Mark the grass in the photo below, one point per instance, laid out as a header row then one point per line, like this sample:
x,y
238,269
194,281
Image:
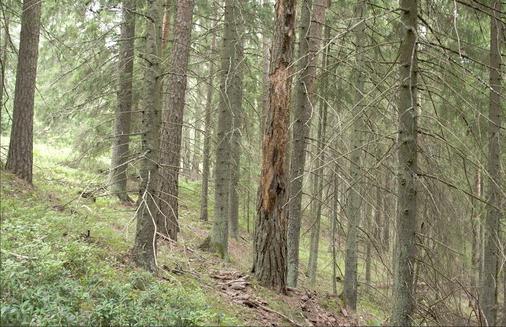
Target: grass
x,y
65,259
70,265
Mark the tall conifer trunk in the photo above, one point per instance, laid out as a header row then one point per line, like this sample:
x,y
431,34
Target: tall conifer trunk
x,y
237,126
403,294
144,251
269,256
354,204
172,127
204,194
490,280
119,159
228,90
311,21
20,156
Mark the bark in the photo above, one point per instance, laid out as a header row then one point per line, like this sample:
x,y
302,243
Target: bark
x,y
269,257
219,234
310,39
197,127
119,159
207,136
266,56
380,218
475,226
335,206
353,209
504,289
166,28
386,218
320,151
20,155
319,180
403,306
172,127
3,56
489,287
369,215
186,152
144,251
237,126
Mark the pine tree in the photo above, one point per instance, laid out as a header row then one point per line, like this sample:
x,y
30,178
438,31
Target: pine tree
x,y
403,295
490,280
269,256
172,126
20,156
228,91
119,158
144,252
311,21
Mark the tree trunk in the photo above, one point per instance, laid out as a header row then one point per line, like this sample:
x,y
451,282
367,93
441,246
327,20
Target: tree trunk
x,y
144,252
197,127
186,151
404,301
172,128
166,23
370,213
475,227
310,37
318,194
269,257
119,159
235,137
386,218
20,156
219,234
3,56
355,197
335,217
489,287
320,149
207,136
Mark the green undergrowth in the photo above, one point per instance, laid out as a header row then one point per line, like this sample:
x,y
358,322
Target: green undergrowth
x,y
65,259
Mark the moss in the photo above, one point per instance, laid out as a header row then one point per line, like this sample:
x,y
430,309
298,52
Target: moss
x,y
66,260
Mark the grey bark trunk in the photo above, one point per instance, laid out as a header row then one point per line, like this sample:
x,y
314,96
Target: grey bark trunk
x,y
197,126
318,193
207,136
144,251
269,256
3,56
403,307
335,217
370,213
475,226
489,287
219,234
235,138
310,38
320,151
172,128
353,208
119,159
20,155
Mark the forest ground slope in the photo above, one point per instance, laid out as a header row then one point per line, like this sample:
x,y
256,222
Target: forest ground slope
x,y
65,260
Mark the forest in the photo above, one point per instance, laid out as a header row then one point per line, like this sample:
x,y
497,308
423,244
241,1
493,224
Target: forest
x,y
252,162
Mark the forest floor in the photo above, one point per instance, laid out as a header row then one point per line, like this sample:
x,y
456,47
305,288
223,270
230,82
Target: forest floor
x,y
65,260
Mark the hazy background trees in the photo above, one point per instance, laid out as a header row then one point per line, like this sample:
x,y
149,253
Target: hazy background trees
x,y
361,152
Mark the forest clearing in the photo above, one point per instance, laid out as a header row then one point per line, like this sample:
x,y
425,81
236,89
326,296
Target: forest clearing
x,y
252,162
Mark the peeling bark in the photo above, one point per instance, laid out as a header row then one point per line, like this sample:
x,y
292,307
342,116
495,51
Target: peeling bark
x,y
269,259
